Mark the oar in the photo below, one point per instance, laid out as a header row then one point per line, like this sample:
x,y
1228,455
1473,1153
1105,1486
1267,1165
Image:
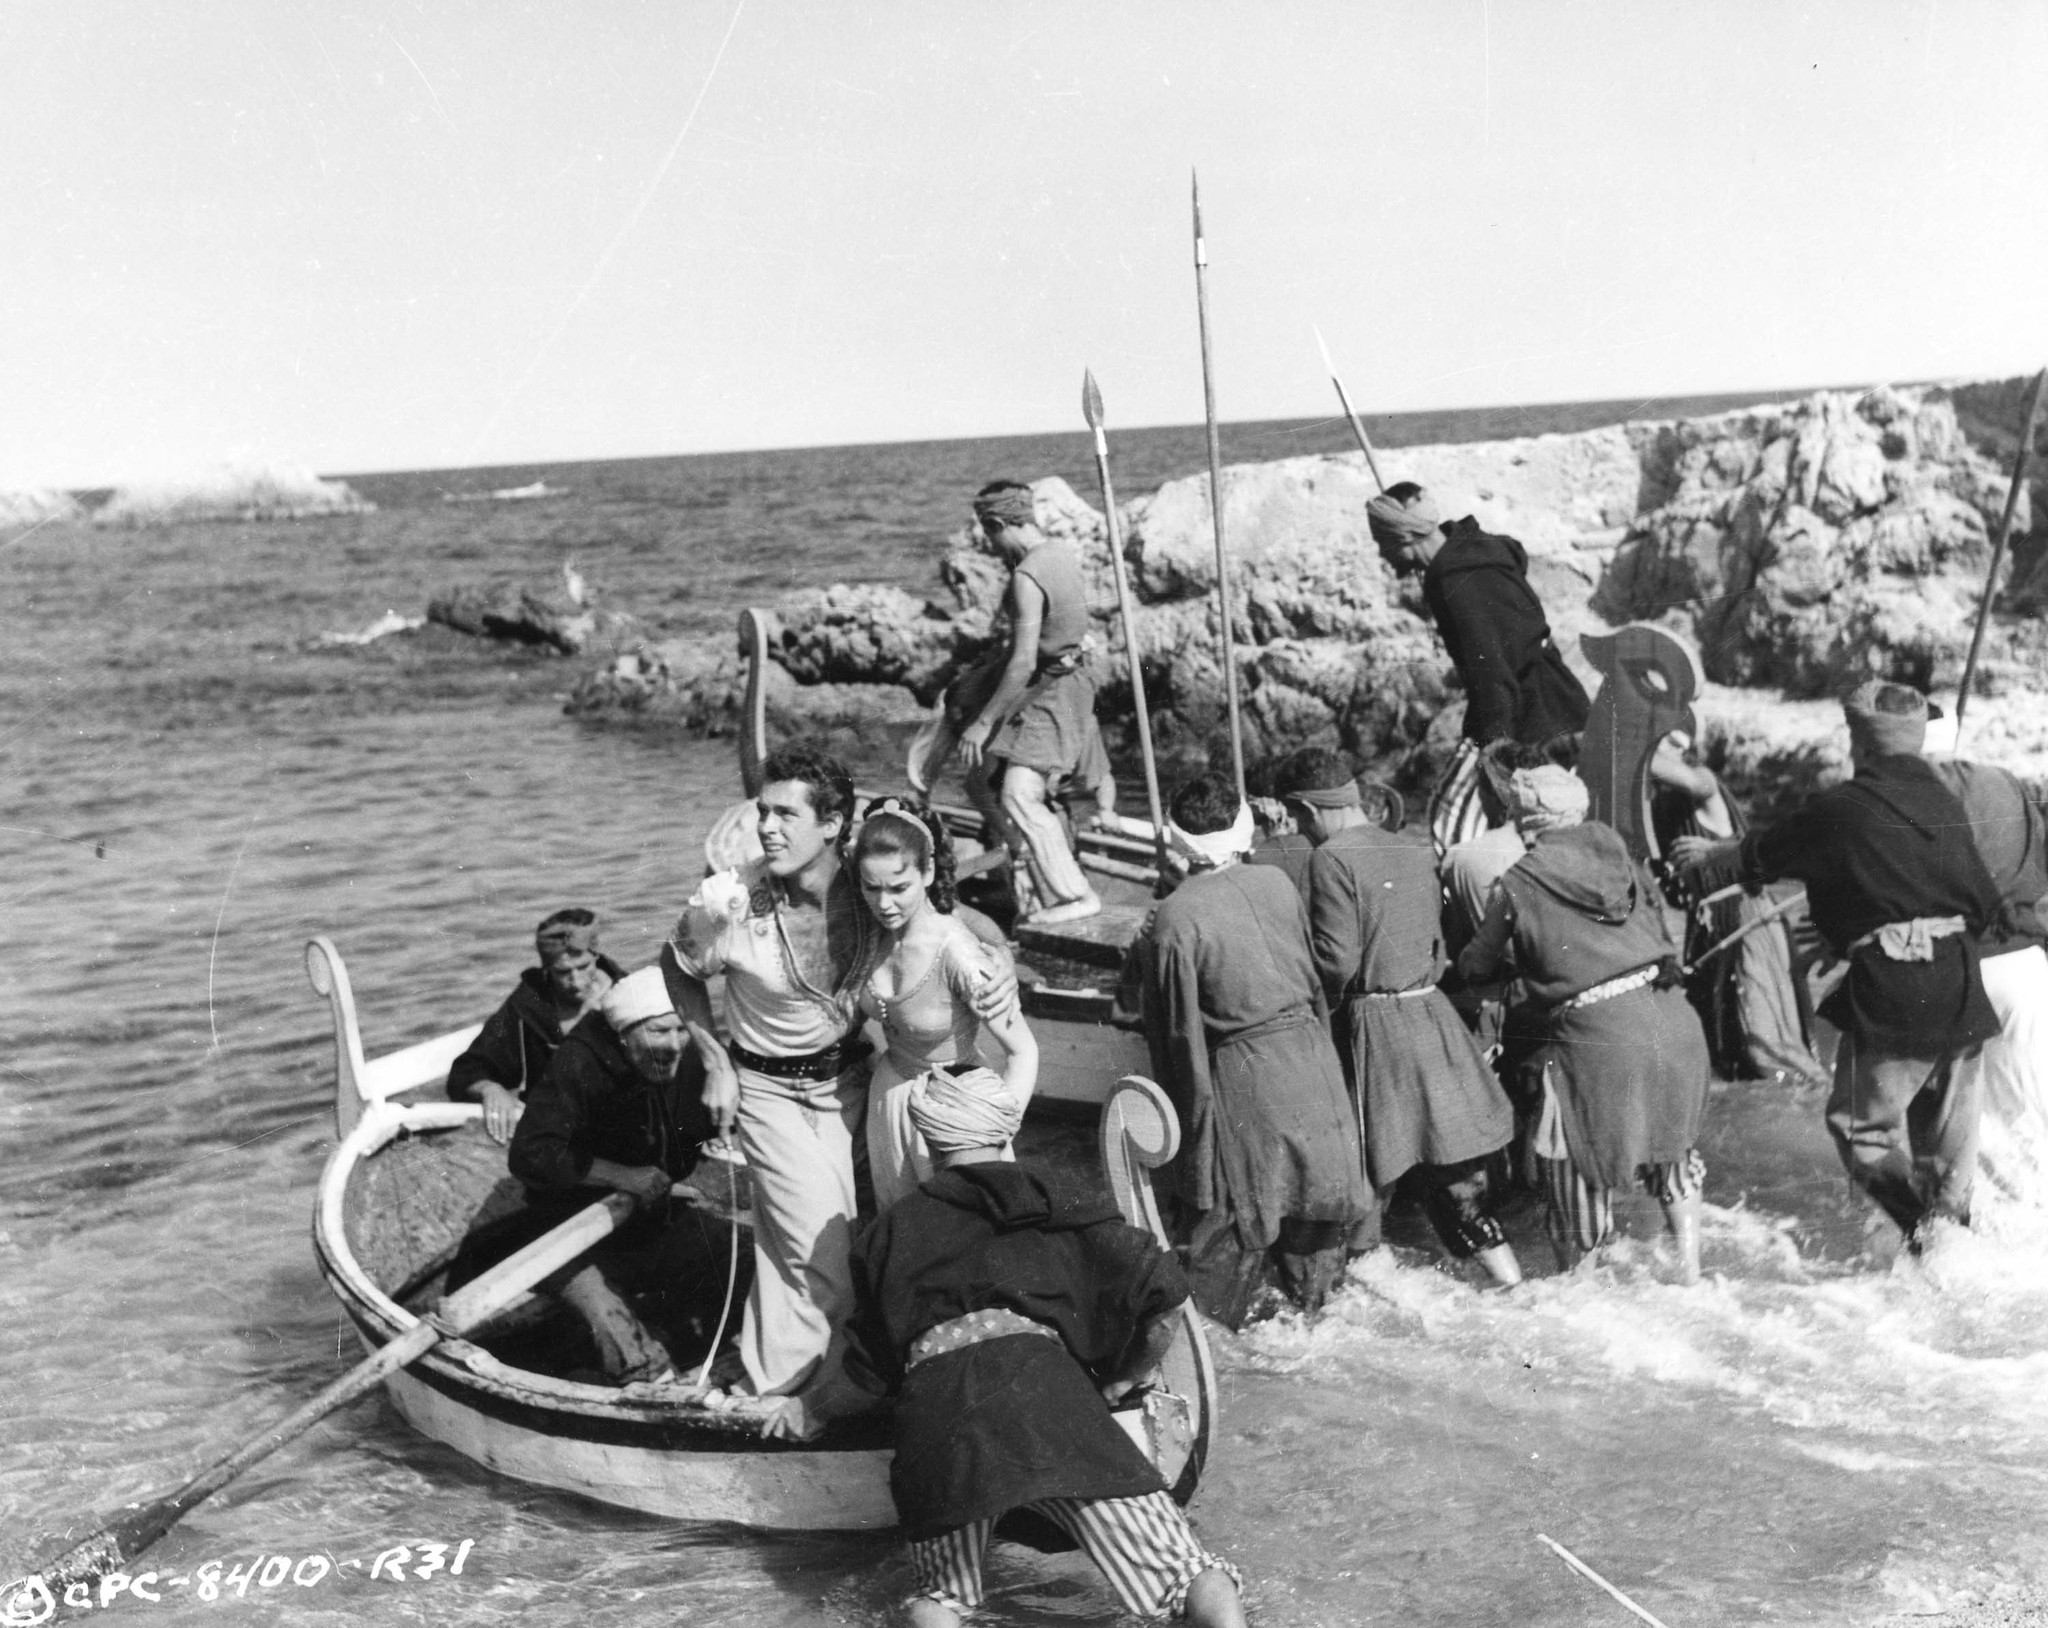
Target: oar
x,y
2012,500
113,1545
1762,919
1344,401
1216,497
1091,409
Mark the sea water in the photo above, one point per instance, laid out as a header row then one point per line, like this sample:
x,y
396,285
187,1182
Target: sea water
x,y
1821,1432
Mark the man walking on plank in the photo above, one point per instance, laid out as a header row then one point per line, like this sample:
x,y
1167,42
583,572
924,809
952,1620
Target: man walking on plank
x,y
794,941
1269,1170
1517,686
1004,1314
1425,1096
1033,730
1898,890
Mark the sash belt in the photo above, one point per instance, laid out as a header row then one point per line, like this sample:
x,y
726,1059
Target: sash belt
x,y
827,1064
1911,940
1610,989
972,1329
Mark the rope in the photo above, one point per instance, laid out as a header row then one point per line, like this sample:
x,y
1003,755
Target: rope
x,y
732,1270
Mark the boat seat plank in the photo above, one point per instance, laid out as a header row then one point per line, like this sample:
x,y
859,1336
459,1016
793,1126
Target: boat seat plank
x,y
1099,940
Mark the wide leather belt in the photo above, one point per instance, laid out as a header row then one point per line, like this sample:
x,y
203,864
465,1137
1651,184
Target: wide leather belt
x,y
827,1064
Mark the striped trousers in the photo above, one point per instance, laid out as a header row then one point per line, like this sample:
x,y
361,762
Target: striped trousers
x,y
1584,1213
1144,1546
1455,812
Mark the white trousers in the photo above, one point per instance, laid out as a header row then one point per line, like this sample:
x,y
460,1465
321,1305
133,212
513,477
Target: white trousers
x,y
798,1138
2013,1069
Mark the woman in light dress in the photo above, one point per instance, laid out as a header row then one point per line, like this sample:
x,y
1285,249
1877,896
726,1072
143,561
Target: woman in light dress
x,y
921,987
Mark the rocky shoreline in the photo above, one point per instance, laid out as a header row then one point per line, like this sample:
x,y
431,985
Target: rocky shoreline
x,y
1801,546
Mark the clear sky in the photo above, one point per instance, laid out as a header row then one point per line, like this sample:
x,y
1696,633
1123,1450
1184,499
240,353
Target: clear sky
x,y
410,233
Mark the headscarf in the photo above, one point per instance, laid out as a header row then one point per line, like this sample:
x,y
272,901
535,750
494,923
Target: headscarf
x,y
955,1113
1395,524
635,998
1211,848
1547,798
1886,719
554,940
1011,504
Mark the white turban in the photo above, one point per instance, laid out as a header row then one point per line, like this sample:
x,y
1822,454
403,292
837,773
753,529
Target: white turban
x,y
957,1112
635,998
1545,798
1215,847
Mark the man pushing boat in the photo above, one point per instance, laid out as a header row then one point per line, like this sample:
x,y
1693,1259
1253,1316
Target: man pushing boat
x,y
793,940
1002,1314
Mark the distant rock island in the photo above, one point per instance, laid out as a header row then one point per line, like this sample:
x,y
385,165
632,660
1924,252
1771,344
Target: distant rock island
x,y
1801,546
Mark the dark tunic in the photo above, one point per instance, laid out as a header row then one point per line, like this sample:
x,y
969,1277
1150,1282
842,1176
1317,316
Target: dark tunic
x,y
1239,1044
1375,918
517,1039
1631,1071
1891,845
1287,852
988,1427
1516,683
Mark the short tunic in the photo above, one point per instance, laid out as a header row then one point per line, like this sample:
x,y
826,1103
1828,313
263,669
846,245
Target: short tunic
x,y
1268,1131
989,1427
1630,1072
516,1041
1425,1093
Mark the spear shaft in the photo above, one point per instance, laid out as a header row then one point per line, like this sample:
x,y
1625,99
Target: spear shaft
x,y
1091,409
1344,401
1216,498
2012,500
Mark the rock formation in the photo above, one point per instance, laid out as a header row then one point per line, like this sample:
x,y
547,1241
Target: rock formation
x,y
556,617
1802,546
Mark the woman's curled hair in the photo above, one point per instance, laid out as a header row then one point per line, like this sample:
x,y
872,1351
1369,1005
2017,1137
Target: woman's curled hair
x,y
907,828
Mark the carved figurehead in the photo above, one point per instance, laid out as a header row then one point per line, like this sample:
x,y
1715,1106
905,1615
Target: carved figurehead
x,y
1649,680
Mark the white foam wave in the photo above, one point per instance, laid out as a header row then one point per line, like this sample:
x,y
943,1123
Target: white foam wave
x,y
230,492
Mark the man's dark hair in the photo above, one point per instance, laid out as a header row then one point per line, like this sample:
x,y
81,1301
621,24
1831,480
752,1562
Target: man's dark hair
x,y
1313,768
830,786
1404,491
1205,804
574,916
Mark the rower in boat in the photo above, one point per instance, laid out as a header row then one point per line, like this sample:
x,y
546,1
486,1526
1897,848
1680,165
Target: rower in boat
x,y
794,943
1005,1316
620,1109
1035,721
518,1039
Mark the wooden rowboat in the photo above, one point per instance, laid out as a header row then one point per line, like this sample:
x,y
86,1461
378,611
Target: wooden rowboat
x,y
411,1177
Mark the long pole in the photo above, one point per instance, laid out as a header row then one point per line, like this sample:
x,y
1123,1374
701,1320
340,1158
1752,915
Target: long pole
x,y
1091,409
1216,497
2012,501
1344,401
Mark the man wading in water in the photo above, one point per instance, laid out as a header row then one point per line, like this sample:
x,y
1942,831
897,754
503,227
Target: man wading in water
x,y
794,942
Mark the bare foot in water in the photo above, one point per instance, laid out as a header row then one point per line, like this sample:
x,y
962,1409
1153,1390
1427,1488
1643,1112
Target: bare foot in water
x,y
1070,910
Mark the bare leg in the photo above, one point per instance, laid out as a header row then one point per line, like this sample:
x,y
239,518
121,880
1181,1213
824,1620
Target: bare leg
x,y
1024,802
1682,1216
931,1614
624,1344
1213,1601
1501,1265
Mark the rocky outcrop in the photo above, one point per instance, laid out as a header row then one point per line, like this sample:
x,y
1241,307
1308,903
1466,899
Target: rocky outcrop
x,y
274,492
557,617
1801,545
1808,546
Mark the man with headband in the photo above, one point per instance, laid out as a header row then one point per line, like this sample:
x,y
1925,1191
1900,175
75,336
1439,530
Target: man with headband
x,y
1897,888
1427,1101
1476,584
1269,1177
517,1040
1004,1315
1032,731
620,1108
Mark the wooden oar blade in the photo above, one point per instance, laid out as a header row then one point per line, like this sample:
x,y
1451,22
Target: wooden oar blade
x,y
1091,399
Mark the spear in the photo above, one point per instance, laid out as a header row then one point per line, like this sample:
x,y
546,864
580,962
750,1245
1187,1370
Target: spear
x,y
2012,500
1216,497
1344,401
1091,409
